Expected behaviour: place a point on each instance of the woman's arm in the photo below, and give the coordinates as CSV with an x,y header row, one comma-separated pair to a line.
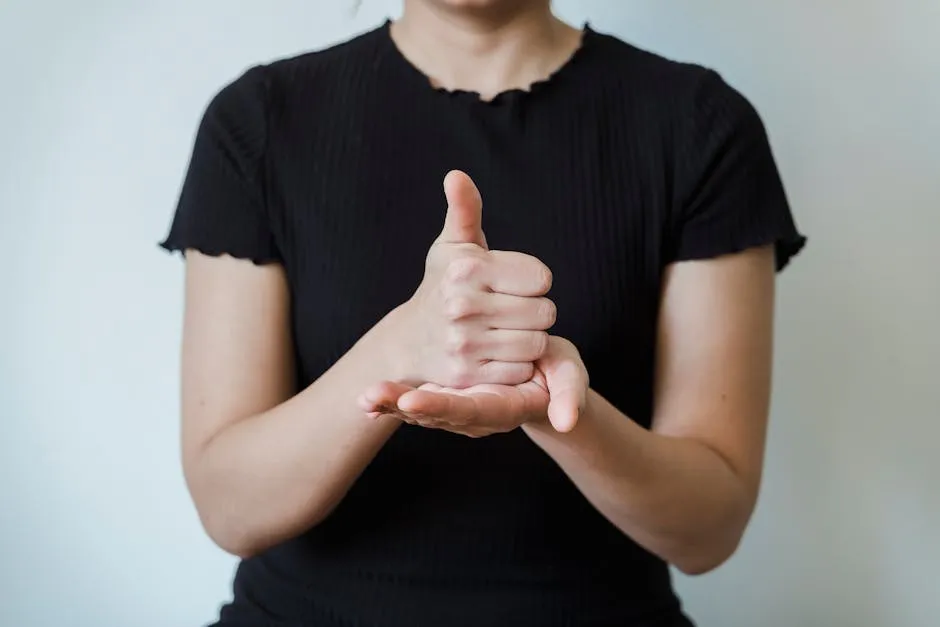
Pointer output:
x,y
686,489
263,466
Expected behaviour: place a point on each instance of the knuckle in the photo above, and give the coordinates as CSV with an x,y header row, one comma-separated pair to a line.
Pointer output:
x,y
459,343
461,375
446,290
463,268
458,306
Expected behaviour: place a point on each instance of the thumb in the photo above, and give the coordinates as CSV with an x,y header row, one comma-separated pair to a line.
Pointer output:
x,y
567,385
464,221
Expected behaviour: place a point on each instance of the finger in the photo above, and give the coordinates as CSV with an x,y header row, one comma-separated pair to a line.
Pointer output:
x,y
463,223
506,345
420,420
443,406
504,372
505,311
564,410
469,430
567,389
432,387
480,410
517,274
381,397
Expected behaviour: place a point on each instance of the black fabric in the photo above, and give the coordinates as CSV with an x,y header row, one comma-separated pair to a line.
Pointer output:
x,y
331,164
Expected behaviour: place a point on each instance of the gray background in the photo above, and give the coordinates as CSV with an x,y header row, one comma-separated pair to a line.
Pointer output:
x,y
100,102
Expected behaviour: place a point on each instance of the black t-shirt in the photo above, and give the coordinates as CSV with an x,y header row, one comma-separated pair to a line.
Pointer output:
x,y
331,164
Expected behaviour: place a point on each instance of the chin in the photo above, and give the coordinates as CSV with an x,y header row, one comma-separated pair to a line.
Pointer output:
x,y
484,5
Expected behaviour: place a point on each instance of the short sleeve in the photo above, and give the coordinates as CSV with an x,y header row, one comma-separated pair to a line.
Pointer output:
x,y
728,196
222,208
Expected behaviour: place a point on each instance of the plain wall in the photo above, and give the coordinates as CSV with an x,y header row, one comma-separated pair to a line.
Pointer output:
x,y
100,102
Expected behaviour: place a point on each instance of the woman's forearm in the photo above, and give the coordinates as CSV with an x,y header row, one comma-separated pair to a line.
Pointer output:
x,y
272,476
677,497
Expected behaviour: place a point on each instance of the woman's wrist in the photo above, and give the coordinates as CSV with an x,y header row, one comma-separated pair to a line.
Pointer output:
x,y
387,342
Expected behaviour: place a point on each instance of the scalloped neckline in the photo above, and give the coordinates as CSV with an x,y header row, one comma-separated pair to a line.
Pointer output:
x,y
503,97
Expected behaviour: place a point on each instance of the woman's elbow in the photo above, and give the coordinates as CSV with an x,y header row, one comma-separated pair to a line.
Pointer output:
x,y
703,564
245,532
230,532
705,554
241,546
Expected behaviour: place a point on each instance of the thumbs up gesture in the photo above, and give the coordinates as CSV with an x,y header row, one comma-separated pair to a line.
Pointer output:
x,y
463,222
478,316
483,362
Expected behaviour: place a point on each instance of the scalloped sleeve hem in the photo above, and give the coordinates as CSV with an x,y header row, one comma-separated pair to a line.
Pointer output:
x,y
222,207
730,196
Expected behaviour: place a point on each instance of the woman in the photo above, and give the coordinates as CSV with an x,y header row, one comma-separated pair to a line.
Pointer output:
x,y
340,344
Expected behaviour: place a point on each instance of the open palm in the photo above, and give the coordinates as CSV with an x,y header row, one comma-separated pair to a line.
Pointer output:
x,y
557,391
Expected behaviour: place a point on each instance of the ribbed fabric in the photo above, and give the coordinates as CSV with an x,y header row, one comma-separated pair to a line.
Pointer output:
x,y
331,164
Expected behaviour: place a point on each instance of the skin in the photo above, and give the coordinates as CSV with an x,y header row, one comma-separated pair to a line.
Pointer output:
x,y
263,466
484,46
686,489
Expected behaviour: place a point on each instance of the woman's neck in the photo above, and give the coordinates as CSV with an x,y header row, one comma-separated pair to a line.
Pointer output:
x,y
486,51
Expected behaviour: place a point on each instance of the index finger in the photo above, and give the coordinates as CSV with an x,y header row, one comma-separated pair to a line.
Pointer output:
x,y
517,274
455,409
483,409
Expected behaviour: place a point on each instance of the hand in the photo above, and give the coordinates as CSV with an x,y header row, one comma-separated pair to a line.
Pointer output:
x,y
557,391
479,316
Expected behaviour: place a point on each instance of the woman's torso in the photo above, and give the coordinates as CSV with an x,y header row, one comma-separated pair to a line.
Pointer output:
x,y
444,530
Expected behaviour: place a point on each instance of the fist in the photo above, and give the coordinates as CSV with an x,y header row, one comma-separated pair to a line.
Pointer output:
x,y
478,316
